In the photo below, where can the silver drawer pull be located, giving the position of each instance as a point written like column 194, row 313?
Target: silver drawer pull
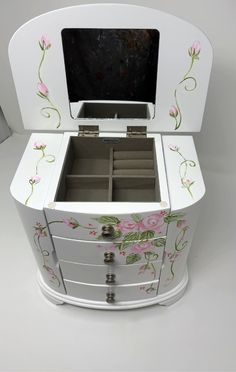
column 110, row 298
column 108, row 231
column 109, row 257
column 110, row 279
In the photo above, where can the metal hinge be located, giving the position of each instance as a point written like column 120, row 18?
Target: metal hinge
column 136, row 131
column 88, row 131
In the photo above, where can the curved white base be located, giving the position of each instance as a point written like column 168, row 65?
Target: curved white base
column 164, row 299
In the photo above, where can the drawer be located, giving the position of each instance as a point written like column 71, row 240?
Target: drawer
column 92, row 253
column 107, row 228
column 121, row 293
column 118, row 274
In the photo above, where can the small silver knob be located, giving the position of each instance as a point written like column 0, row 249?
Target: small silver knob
column 110, row 298
column 110, row 279
column 107, row 231
column 109, row 257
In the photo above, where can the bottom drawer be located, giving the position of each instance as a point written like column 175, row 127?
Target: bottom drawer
column 119, row 293
column 124, row 274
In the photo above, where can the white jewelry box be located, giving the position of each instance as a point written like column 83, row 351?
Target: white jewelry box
column 110, row 209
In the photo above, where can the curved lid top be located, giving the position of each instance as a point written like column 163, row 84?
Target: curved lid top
column 143, row 50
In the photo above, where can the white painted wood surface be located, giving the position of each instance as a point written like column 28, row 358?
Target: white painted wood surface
column 176, row 38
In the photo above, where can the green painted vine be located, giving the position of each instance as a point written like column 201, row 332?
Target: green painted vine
column 188, row 82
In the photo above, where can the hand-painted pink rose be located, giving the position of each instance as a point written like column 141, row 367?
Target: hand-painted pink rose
column 43, row 90
column 34, row 179
column 173, row 111
column 73, row 224
column 141, row 247
column 39, row 145
column 195, row 49
column 128, row 226
column 153, row 222
column 44, row 42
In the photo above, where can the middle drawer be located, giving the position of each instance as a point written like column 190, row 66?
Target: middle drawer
column 124, row 253
column 111, row 274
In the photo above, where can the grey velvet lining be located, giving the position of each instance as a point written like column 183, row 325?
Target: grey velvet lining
column 104, row 169
column 119, row 155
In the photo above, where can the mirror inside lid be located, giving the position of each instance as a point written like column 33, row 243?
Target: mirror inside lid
column 110, row 65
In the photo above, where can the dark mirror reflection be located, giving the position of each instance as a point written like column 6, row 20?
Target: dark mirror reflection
column 111, row 73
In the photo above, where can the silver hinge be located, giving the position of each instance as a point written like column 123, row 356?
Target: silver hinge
column 136, row 131
column 88, row 131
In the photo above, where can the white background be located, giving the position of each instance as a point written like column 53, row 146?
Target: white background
column 197, row 333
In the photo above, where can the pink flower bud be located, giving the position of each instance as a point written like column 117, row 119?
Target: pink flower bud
column 187, row 182
column 173, row 147
column 39, row 145
column 181, row 223
column 43, row 89
column 34, row 179
column 45, row 43
column 173, row 111
column 195, row 49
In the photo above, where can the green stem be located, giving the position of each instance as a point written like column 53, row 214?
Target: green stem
column 31, row 193
column 183, row 174
column 40, row 65
column 50, row 156
column 190, row 67
column 190, row 192
column 179, row 121
column 41, row 158
column 52, row 107
column 172, row 270
column 154, row 270
column 180, row 236
column 84, row 227
column 187, row 80
column 49, row 223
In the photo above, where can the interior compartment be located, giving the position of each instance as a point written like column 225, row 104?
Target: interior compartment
column 109, row 169
column 87, row 156
column 104, row 110
column 86, row 189
column 134, row 190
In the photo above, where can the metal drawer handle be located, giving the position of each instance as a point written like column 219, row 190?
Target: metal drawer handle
column 110, row 298
column 110, row 278
column 109, row 257
column 108, row 231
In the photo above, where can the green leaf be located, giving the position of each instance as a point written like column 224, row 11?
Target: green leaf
column 151, row 256
column 40, row 46
column 118, row 246
column 109, row 220
column 41, row 95
column 100, row 237
column 131, row 236
column 145, row 235
column 160, row 242
column 132, row 258
column 173, row 217
column 136, row 217
column 125, row 244
column 117, row 234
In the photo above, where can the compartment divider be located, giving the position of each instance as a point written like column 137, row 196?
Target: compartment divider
column 133, row 172
column 140, row 176
column 110, row 186
column 74, row 176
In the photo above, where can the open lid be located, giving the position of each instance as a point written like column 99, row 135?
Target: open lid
column 111, row 65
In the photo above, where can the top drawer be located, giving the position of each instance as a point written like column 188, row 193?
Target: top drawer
column 107, row 228
column 93, row 253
